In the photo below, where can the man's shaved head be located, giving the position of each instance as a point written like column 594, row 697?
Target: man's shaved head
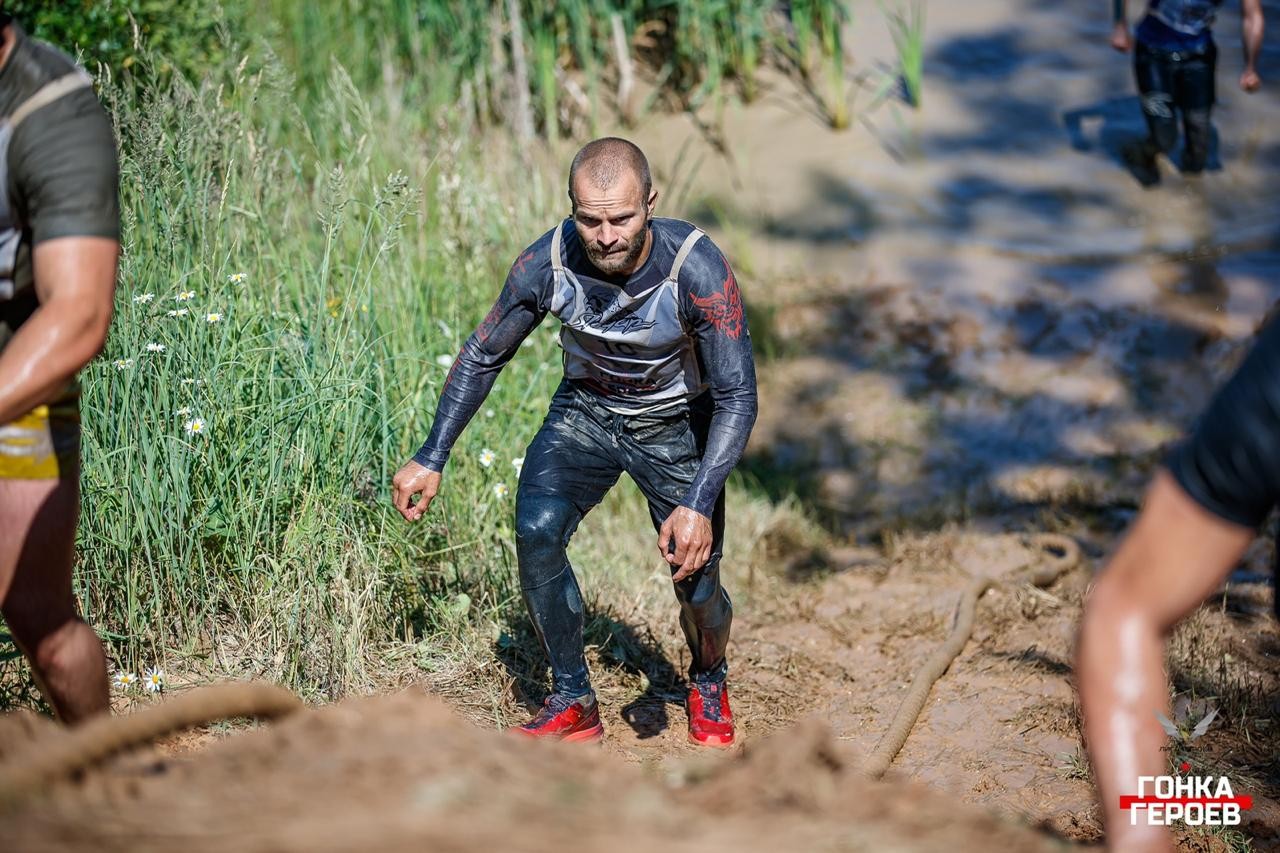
column 603, row 161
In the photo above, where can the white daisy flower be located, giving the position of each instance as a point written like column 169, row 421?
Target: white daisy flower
column 155, row 347
column 185, row 296
column 237, row 277
column 123, row 363
column 488, row 413
column 195, row 426
column 212, row 317
column 125, row 680
column 144, row 298
column 501, row 490
column 518, row 464
column 444, row 360
column 153, row 680
column 487, row 456
column 180, row 312
column 183, row 412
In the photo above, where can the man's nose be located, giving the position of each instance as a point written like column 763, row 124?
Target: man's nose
column 608, row 236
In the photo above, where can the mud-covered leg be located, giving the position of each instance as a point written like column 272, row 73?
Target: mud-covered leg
column 1155, row 87
column 706, row 612
column 549, row 587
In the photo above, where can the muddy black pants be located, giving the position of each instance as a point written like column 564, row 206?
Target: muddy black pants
column 1173, row 82
column 577, row 455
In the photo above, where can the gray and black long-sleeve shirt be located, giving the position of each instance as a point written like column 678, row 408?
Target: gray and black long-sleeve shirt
column 646, row 343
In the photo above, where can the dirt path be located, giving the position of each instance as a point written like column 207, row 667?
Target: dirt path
column 404, row 773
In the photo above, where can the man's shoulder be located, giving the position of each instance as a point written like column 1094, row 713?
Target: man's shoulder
column 670, row 234
column 533, row 263
column 31, row 65
column 705, row 265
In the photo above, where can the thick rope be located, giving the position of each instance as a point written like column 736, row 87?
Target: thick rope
column 918, row 693
column 59, row 756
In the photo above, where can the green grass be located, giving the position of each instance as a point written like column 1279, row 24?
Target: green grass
column 906, row 25
column 265, row 544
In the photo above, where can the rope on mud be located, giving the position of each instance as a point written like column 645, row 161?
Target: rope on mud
column 918, row 693
column 70, row 750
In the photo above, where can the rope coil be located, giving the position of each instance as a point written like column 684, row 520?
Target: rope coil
column 71, row 750
column 918, row 693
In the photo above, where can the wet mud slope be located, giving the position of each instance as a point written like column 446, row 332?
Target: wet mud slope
column 403, row 772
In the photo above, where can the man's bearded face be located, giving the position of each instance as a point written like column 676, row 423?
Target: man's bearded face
column 613, row 223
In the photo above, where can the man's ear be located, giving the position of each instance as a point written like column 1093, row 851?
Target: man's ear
column 653, row 201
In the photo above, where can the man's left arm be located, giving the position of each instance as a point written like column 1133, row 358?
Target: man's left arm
column 1252, row 25
column 714, row 311
column 75, row 282
column 66, row 175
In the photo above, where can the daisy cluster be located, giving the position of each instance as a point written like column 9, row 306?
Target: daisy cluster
column 487, row 460
column 192, row 424
column 152, row 680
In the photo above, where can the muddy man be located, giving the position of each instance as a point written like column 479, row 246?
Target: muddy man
column 1200, row 514
column 658, row 382
column 1175, row 63
column 59, row 240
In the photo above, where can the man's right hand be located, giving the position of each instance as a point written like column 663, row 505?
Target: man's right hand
column 1121, row 40
column 414, row 479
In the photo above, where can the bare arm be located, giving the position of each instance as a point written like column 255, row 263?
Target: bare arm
column 75, row 282
column 1175, row 556
column 1252, row 25
column 1121, row 40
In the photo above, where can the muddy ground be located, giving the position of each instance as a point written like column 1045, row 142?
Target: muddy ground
column 403, row 772
column 973, row 324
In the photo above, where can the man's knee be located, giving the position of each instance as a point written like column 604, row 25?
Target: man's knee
column 1199, row 135
column 543, row 527
column 61, row 653
column 703, row 596
column 1158, row 109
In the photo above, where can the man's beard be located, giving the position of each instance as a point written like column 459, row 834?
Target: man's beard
column 618, row 261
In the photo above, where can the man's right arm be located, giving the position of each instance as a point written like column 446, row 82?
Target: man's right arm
column 1175, row 556
column 1199, row 516
column 520, row 307
column 1121, row 40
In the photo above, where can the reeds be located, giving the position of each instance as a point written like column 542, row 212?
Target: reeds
column 562, row 56
column 906, row 25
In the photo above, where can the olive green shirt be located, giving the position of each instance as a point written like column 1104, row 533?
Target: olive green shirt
column 60, row 170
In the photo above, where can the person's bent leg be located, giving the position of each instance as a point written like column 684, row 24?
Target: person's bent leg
column 1195, row 100
column 706, row 613
column 550, row 590
column 663, row 461
column 1151, row 72
column 1155, row 86
column 567, row 470
column 38, row 518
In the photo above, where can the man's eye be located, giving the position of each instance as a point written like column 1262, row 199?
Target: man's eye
column 622, row 220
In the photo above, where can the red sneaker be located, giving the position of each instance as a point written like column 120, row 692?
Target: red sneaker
column 565, row 719
column 710, row 719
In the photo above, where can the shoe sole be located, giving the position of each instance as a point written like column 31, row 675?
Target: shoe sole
column 596, row 733
column 714, row 744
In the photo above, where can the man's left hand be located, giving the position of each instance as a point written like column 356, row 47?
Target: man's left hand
column 690, row 532
column 1250, row 81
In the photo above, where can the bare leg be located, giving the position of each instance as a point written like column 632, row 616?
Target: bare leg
column 38, row 520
